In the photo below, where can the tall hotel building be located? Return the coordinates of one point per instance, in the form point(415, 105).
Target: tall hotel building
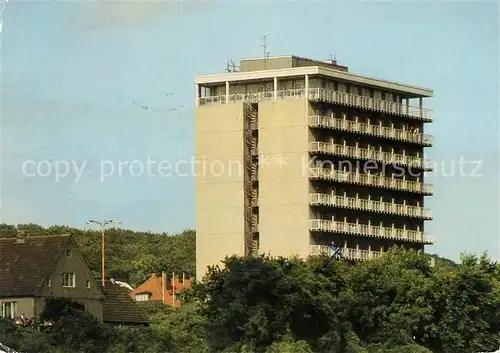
point(294, 154)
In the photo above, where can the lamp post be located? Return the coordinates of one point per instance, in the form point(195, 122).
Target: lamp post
point(103, 229)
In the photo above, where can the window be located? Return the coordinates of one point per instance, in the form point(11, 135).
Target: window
point(88, 284)
point(9, 309)
point(142, 297)
point(68, 253)
point(68, 280)
point(297, 86)
point(49, 283)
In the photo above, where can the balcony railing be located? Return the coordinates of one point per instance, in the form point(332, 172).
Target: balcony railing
point(354, 100)
point(326, 95)
point(254, 147)
point(323, 225)
point(255, 198)
point(252, 116)
point(362, 153)
point(254, 173)
point(369, 205)
point(370, 180)
point(352, 254)
point(370, 129)
point(253, 97)
point(255, 223)
point(348, 253)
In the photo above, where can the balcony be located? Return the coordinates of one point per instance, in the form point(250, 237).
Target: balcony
point(323, 225)
point(326, 95)
point(353, 100)
point(362, 153)
point(348, 253)
point(369, 205)
point(352, 254)
point(370, 129)
point(370, 180)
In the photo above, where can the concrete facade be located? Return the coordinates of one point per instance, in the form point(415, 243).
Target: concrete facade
point(283, 186)
point(294, 154)
point(219, 182)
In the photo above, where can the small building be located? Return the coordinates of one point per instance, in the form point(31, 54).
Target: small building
point(35, 268)
point(119, 308)
point(163, 289)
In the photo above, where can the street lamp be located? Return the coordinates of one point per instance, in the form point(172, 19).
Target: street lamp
point(103, 229)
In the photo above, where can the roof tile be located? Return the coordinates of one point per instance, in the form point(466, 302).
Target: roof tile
point(24, 264)
point(120, 308)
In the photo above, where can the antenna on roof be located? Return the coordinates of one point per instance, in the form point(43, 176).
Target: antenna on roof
point(333, 59)
point(264, 45)
point(231, 66)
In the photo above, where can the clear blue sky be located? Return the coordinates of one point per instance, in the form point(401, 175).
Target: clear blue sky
point(71, 74)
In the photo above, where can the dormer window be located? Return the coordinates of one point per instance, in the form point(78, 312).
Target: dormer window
point(68, 253)
point(142, 297)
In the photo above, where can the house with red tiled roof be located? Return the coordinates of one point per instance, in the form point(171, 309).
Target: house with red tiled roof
point(164, 289)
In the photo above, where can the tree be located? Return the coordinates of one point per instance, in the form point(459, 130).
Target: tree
point(253, 302)
point(9, 333)
point(389, 300)
point(467, 307)
point(181, 329)
point(396, 303)
point(73, 327)
point(33, 341)
point(288, 345)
